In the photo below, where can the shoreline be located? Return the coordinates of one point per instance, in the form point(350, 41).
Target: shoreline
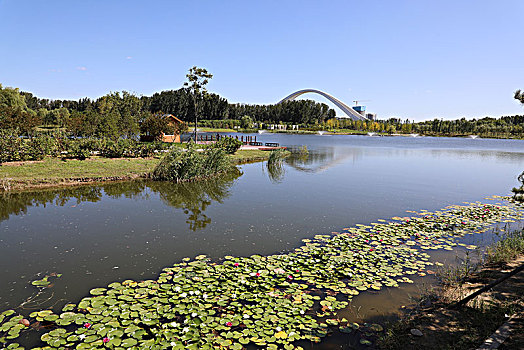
point(355, 132)
point(436, 324)
point(56, 173)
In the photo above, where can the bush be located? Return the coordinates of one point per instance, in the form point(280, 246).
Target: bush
point(15, 148)
point(228, 144)
point(11, 146)
point(39, 147)
point(277, 155)
point(188, 165)
point(508, 248)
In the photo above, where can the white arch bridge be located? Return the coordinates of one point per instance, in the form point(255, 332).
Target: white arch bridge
point(350, 112)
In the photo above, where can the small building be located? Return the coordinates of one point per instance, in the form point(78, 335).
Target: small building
point(173, 121)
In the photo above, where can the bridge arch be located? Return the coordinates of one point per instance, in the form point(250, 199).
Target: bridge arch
point(350, 112)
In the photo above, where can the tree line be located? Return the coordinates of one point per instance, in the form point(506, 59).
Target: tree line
point(503, 127)
point(126, 115)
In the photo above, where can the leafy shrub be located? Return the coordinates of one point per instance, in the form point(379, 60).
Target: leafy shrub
point(11, 146)
point(508, 248)
point(228, 144)
point(15, 148)
point(277, 155)
point(39, 147)
point(187, 165)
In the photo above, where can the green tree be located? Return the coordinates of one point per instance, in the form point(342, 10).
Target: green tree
point(14, 113)
point(246, 122)
point(10, 97)
point(153, 125)
point(197, 79)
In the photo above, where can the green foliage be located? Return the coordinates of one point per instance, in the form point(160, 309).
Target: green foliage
point(246, 122)
point(153, 125)
point(15, 148)
point(11, 146)
point(229, 144)
point(197, 79)
point(510, 246)
point(188, 165)
point(11, 97)
point(277, 155)
point(40, 146)
point(120, 114)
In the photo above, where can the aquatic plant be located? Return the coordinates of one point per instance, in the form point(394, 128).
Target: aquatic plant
point(273, 301)
point(187, 165)
point(510, 246)
point(276, 156)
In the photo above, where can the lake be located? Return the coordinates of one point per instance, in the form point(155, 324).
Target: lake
point(94, 235)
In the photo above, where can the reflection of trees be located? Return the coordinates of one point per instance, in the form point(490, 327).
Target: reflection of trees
point(17, 202)
point(275, 171)
point(192, 197)
point(195, 197)
point(320, 159)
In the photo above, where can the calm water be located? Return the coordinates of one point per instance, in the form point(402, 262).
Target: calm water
point(94, 235)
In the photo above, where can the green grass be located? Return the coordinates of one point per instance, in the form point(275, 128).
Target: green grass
point(54, 171)
point(214, 130)
point(507, 249)
point(249, 155)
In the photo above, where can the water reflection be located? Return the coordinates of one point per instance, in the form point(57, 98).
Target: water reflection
point(195, 197)
point(319, 160)
point(275, 171)
point(192, 197)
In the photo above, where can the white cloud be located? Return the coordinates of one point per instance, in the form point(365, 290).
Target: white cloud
point(81, 68)
point(129, 57)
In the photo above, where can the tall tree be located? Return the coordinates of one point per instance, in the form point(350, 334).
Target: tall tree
point(197, 79)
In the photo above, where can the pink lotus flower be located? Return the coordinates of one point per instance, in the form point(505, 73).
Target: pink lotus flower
point(296, 270)
point(236, 264)
point(229, 324)
point(105, 340)
point(290, 277)
point(370, 249)
point(87, 325)
point(257, 274)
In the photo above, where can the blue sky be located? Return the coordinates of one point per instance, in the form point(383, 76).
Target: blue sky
point(412, 59)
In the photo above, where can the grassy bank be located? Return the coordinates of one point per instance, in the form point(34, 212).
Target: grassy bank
point(57, 172)
point(200, 129)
